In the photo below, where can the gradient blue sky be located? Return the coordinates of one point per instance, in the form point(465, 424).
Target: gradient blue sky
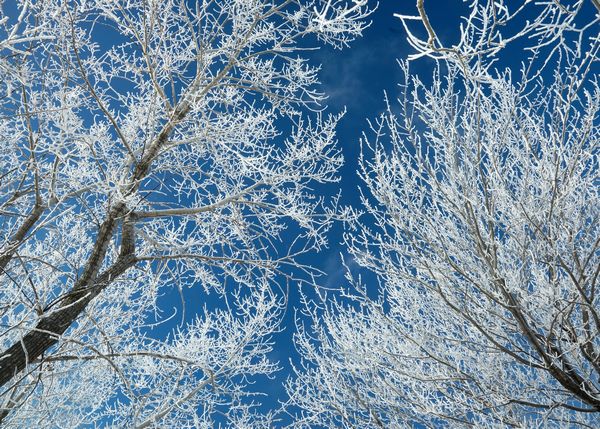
point(356, 79)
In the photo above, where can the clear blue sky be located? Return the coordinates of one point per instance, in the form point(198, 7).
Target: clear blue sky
point(356, 78)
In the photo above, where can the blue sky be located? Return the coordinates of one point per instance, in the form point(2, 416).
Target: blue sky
point(356, 79)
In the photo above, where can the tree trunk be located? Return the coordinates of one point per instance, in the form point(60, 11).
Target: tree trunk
point(52, 325)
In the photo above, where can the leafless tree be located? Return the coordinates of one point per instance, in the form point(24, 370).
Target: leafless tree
point(150, 147)
point(481, 227)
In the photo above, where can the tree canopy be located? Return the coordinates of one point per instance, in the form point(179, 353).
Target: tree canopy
point(164, 168)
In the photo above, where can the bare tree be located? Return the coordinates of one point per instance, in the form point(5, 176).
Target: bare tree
point(546, 30)
point(481, 227)
point(151, 147)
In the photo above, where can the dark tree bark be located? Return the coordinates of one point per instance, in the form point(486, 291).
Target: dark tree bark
point(52, 325)
point(56, 320)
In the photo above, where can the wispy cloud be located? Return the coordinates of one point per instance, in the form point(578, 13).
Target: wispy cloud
point(357, 79)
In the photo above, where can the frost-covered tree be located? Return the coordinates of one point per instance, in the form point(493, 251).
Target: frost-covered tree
point(151, 149)
point(545, 29)
point(481, 227)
